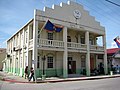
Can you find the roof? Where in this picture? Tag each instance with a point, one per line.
(112, 50)
(21, 28)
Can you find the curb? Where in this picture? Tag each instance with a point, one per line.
(15, 81)
(79, 79)
(63, 80)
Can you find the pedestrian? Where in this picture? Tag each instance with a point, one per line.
(31, 74)
(117, 69)
(26, 72)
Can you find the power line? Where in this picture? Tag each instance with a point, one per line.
(99, 13)
(113, 3)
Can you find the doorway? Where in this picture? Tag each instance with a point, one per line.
(71, 67)
(91, 63)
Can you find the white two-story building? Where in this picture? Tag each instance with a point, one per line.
(74, 50)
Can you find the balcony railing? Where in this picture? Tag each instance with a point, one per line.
(70, 45)
(76, 46)
(31, 43)
(51, 43)
(97, 48)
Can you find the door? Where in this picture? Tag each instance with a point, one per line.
(71, 67)
(91, 63)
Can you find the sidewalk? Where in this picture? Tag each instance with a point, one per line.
(17, 79)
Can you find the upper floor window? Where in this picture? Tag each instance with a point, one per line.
(68, 38)
(50, 35)
(82, 40)
(91, 41)
(26, 36)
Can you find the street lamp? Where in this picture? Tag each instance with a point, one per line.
(43, 75)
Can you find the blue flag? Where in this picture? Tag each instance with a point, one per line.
(117, 40)
(58, 28)
(51, 27)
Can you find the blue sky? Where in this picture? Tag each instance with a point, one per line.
(15, 13)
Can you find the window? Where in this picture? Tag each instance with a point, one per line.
(49, 62)
(91, 41)
(82, 40)
(50, 35)
(100, 56)
(68, 38)
(38, 62)
(21, 61)
(26, 36)
(82, 61)
(69, 58)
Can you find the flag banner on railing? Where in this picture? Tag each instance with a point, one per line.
(51, 27)
(117, 40)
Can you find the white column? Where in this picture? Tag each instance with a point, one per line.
(105, 55)
(88, 54)
(28, 45)
(35, 37)
(65, 54)
(19, 52)
(13, 56)
(23, 41)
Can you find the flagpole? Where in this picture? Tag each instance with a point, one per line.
(42, 28)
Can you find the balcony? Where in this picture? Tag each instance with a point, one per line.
(17, 48)
(50, 43)
(31, 43)
(55, 44)
(76, 46)
(96, 48)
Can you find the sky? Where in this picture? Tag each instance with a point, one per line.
(16, 13)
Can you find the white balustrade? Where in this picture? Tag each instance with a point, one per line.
(31, 42)
(51, 43)
(97, 48)
(72, 45)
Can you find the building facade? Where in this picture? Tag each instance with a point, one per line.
(113, 57)
(73, 50)
(2, 57)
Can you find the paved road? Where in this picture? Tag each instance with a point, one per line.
(103, 84)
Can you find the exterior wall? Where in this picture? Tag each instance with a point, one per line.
(24, 47)
(116, 62)
(2, 57)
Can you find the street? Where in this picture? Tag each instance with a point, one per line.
(101, 84)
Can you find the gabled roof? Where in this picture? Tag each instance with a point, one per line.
(112, 50)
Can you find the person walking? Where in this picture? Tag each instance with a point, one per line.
(117, 69)
(31, 74)
(26, 72)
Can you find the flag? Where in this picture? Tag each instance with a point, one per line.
(51, 27)
(117, 40)
(58, 28)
